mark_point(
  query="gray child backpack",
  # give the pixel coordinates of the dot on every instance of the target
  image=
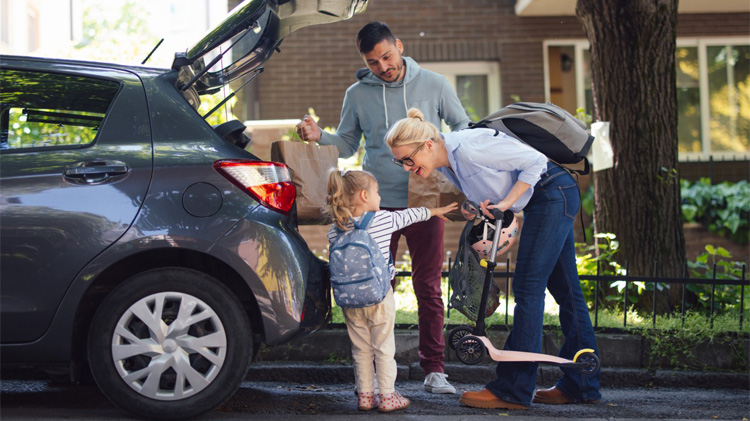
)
(360, 275)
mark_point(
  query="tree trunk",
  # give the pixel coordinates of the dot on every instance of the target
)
(634, 88)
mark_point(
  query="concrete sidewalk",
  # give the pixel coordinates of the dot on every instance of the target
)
(325, 357)
(322, 372)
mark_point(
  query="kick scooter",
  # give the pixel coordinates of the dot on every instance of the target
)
(471, 345)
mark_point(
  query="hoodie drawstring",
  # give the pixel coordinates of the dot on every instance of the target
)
(406, 107)
(385, 104)
(385, 107)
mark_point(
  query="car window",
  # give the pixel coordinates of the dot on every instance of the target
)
(39, 109)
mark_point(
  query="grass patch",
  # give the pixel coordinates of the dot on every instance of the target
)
(702, 325)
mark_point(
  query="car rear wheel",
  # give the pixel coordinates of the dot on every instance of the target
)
(170, 344)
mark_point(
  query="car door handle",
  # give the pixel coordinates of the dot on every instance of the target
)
(92, 172)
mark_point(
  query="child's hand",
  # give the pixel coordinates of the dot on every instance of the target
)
(440, 212)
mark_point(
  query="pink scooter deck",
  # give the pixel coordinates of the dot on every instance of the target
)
(519, 356)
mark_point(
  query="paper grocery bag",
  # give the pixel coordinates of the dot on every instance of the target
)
(433, 192)
(309, 164)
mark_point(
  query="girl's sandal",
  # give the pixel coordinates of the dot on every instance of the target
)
(392, 402)
(367, 401)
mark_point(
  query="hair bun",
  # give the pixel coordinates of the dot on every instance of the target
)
(415, 113)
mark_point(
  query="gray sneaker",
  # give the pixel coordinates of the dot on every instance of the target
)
(437, 383)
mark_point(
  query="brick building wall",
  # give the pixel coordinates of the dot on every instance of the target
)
(316, 64)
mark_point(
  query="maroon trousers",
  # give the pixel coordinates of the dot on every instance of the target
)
(425, 242)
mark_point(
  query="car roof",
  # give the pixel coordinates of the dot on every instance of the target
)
(51, 62)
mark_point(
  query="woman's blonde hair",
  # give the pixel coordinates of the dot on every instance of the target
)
(412, 129)
(343, 187)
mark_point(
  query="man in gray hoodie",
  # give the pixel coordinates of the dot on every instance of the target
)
(384, 91)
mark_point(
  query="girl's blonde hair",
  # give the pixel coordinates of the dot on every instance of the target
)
(343, 187)
(412, 129)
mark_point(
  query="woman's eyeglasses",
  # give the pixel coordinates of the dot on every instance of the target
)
(408, 161)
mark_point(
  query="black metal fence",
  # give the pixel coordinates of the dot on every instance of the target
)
(717, 169)
(604, 281)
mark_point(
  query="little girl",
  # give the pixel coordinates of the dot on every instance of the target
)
(351, 195)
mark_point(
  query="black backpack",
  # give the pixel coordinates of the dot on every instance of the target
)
(547, 128)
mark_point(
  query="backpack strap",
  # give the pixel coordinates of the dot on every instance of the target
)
(365, 221)
(575, 174)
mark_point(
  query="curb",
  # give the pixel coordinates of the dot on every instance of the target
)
(313, 372)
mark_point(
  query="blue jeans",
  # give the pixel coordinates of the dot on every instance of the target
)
(546, 260)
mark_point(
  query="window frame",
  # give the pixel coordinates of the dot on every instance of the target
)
(491, 69)
(701, 43)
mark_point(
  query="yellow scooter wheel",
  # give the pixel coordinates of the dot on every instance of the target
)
(583, 351)
(587, 362)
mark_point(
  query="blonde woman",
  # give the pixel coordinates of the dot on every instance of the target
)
(491, 167)
(351, 195)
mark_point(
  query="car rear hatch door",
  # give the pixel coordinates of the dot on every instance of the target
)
(248, 36)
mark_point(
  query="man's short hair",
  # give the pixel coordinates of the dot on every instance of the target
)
(372, 34)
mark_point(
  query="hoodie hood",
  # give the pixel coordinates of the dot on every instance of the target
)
(367, 77)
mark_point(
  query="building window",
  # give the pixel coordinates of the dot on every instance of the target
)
(477, 84)
(713, 92)
(728, 73)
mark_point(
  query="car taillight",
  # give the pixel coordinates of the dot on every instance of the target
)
(267, 182)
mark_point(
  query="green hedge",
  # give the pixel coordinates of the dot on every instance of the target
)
(723, 208)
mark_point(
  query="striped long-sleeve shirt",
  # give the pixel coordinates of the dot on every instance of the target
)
(382, 227)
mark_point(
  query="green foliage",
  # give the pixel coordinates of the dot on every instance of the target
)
(585, 118)
(115, 31)
(222, 115)
(587, 207)
(726, 297)
(667, 175)
(677, 343)
(723, 208)
(598, 259)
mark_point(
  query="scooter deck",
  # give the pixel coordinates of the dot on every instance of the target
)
(520, 356)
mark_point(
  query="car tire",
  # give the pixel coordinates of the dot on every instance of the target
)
(170, 344)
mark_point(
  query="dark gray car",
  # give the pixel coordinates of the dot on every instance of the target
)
(139, 240)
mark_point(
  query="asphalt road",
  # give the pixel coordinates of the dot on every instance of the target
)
(43, 400)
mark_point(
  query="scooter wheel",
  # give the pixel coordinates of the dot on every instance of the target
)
(470, 350)
(456, 334)
(588, 362)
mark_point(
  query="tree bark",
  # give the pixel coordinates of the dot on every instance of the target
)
(634, 88)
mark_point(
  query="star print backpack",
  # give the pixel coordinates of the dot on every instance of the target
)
(360, 275)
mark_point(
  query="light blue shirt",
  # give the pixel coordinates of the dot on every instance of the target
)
(485, 166)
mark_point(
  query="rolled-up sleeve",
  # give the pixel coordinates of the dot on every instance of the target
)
(533, 172)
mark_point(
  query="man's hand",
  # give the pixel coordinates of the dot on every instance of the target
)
(308, 129)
